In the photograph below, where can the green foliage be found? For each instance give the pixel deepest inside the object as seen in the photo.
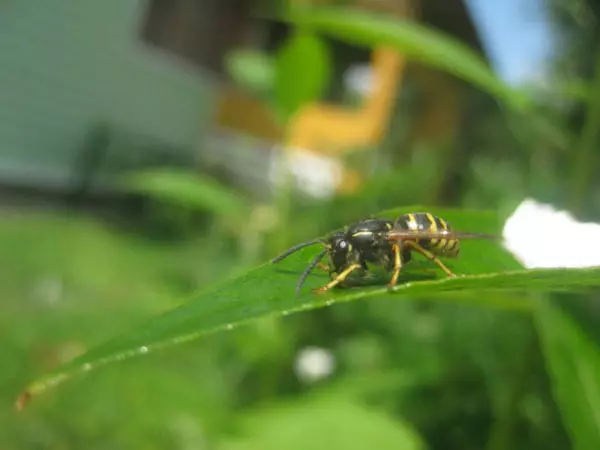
(302, 71)
(265, 291)
(70, 282)
(584, 166)
(573, 361)
(322, 422)
(411, 39)
(183, 188)
(452, 363)
(252, 70)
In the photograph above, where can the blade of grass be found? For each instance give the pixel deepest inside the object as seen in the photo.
(188, 189)
(573, 362)
(416, 41)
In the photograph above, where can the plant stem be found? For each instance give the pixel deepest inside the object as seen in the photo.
(584, 162)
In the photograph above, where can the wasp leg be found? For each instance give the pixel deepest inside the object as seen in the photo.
(323, 266)
(337, 280)
(427, 254)
(397, 265)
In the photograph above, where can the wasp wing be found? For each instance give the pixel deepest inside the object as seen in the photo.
(398, 235)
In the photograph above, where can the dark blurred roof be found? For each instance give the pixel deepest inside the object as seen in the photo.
(452, 17)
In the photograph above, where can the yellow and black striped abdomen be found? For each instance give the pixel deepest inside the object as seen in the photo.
(428, 222)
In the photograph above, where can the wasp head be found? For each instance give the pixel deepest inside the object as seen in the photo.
(339, 248)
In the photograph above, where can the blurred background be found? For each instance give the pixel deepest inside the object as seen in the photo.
(150, 148)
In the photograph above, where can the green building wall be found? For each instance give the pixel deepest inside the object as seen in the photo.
(66, 65)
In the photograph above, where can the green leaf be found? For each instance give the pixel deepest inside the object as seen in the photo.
(321, 422)
(303, 68)
(269, 290)
(252, 69)
(187, 189)
(416, 41)
(573, 361)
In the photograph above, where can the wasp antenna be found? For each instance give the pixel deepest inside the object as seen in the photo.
(308, 270)
(294, 249)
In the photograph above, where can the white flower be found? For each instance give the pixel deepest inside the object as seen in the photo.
(540, 236)
(316, 175)
(313, 364)
(359, 79)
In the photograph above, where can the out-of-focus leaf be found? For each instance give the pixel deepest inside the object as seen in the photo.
(322, 422)
(187, 189)
(573, 361)
(574, 90)
(303, 68)
(416, 41)
(252, 69)
(269, 290)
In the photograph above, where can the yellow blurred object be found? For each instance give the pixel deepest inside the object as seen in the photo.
(319, 127)
(240, 111)
(332, 130)
(350, 182)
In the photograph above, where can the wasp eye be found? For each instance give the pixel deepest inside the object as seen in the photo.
(342, 245)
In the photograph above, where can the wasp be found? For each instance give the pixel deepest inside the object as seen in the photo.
(383, 242)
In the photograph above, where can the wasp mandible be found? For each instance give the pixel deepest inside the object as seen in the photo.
(383, 242)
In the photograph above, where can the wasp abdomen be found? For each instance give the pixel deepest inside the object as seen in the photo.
(428, 222)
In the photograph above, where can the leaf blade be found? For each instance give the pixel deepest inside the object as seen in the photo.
(269, 290)
(574, 365)
(302, 71)
(417, 41)
(189, 189)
